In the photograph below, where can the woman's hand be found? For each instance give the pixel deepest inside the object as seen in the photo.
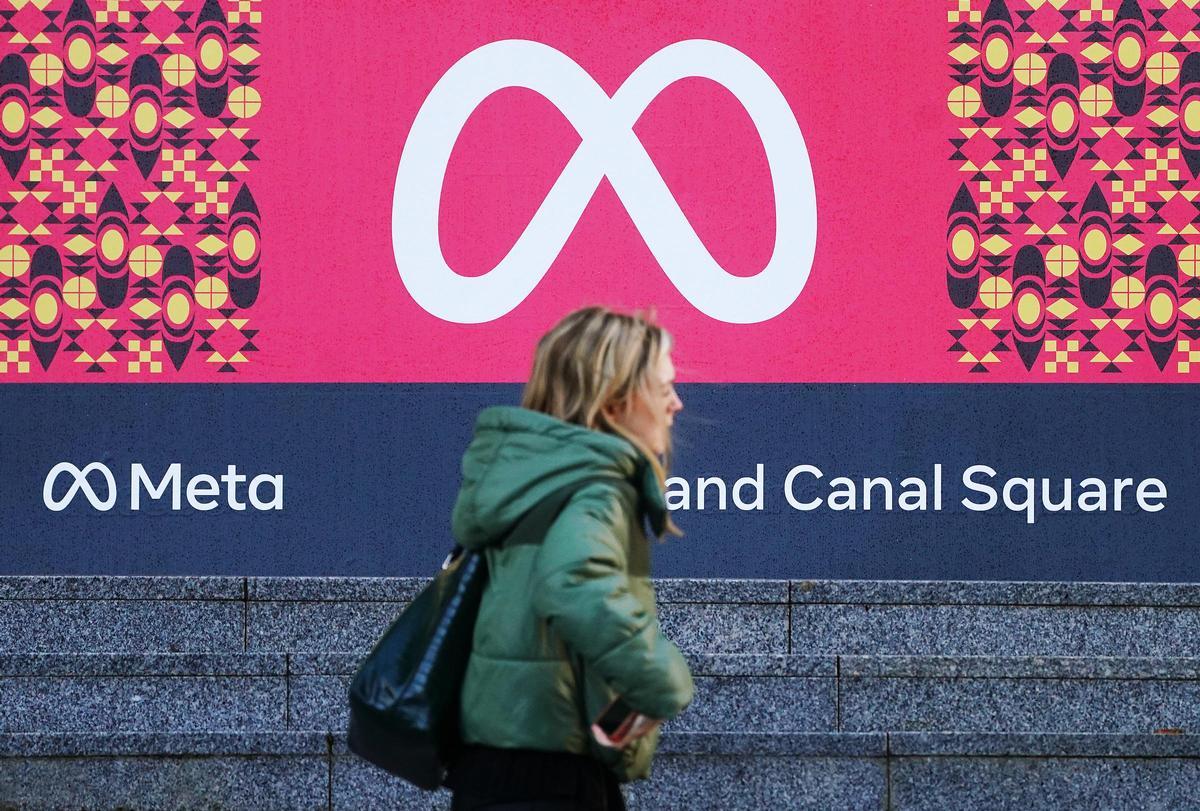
(641, 727)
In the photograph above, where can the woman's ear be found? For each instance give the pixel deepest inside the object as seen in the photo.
(613, 411)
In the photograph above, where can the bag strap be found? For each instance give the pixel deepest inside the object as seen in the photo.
(531, 529)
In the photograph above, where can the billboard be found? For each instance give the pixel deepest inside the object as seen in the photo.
(932, 272)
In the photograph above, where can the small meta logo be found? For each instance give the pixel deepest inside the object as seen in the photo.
(609, 149)
(202, 491)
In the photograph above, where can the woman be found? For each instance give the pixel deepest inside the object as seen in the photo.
(567, 625)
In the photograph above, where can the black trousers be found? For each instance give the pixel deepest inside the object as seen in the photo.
(485, 778)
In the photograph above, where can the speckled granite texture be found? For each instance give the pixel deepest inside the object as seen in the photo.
(715, 783)
(766, 693)
(983, 592)
(739, 772)
(1049, 784)
(1018, 667)
(143, 664)
(775, 704)
(176, 703)
(1023, 694)
(1026, 705)
(318, 626)
(273, 614)
(163, 744)
(345, 589)
(270, 614)
(722, 704)
(249, 782)
(989, 630)
(760, 692)
(355, 625)
(786, 672)
(356, 785)
(726, 628)
(84, 625)
(96, 587)
(1047, 745)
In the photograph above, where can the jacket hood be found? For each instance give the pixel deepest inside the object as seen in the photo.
(519, 456)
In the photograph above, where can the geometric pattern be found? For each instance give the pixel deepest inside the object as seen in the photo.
(129, 234)
(1072, 239)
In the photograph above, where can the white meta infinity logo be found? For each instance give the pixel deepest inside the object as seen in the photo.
(609, 149)
(80, 483)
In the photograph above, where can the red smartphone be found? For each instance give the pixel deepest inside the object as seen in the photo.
(613, 717)
(619, 724)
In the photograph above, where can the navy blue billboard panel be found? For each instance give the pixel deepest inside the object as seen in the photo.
(1015, 482)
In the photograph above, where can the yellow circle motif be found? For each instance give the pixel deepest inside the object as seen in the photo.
(1062, 260)
(1191, 116)
(996, 53)
(112, 244)
(244, 245)
(112, 101)
(145, 117)
(211, 54)
(1030, 69)
(178, 308)
(79, 53)
(1096, 100)
(145, 260)
(1161, 308)
(964, 101)
(1162, 68)
(45, 309)
(962, 245)
(1128, 292)
(1129, 52)
(1062, 116)
(13, 117)
(79, 292)
(46, 69)
(1029, 308)
(211, 293)
(179, 70)
(14, 261)
(1189, 260)
(1095, 244)
(995, 292)
(244, 102)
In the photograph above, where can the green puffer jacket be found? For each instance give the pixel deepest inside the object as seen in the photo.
(585, 592)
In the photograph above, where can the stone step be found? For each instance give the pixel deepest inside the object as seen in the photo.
(278, 614)
(731, 772)
(296, 614)
(767, 693)
(961, 618)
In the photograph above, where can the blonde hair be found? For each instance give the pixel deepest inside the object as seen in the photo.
(592, 358)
